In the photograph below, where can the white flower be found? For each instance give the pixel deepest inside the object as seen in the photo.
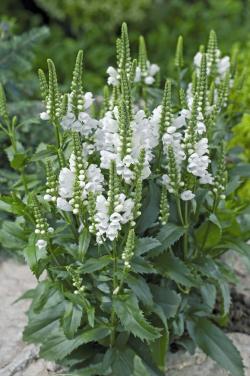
(153, 69)
(63, 204)
(113, 78)
(223, 66)
(149, 80)
(41, 244)
(187, 195)
(137, 74)
(66, 182)
(197, 59)
(88, 100)
(95, 179)
(44, 116)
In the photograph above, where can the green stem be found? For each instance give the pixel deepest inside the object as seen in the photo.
(113, 315)
(207, 229)
(178, 204)
(186, 230)
(25, 184)
(58, 137)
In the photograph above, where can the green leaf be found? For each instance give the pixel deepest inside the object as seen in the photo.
(139, 367)
(84, 240)
(18, 161)
(57, 346)
(94, 264)
(150, 208)
(12, 236)
(241, 169)
(236, 245)
(216, 344)
(159, 349)
(175, 269)
(140, 265)
(143, 245)
(226, 297)
(168, 235)
(91, 315)
(168, 299)
(208, 235)
(127, 309)
(140, 288)
(208, 292)
(71, 319)
(33, 255)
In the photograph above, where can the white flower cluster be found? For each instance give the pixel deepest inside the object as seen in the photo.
(222, 64)
(92, 181)
(108, 142)
(146, 76)
(109, 225)
(83, 124)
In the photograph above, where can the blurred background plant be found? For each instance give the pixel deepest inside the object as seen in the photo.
(93, 26)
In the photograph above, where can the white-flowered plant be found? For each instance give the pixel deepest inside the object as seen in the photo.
(130, 222)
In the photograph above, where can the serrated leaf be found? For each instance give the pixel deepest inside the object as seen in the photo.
(168, 299)
(208, 235)
(168, 235)
(132, 319)
(84, 240)
(140, 265)
(94, 264)
(226, 297)
(139, 367)
(216, 344)
(71, 319)
(140, 288)
(18, 161)
(150, 208)
(175, 269)
(143, 245)
(208, 292)
(57, 346)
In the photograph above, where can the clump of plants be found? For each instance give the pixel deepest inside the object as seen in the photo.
(136, 210)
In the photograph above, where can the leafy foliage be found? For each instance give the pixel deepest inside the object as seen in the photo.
(132, 263)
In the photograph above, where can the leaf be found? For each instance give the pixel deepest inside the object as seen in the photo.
(12, 236)
(143, 245)
(33, 255)
(84, 240)
(168, 235)
(175, 269)
(57, 346)
(140, 288)
(127, 309)
(208, 235)
(241, 169)
(91, 315)
(71, 319)
(139, 367)
(159, 349)
(226, 297)
(208, 292)
(236, 245)
(140, 265)
(168, 299)
(216, 344)
(150, 208)
(123, 362)
(94, 264)
(18, 161)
